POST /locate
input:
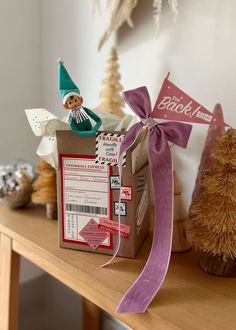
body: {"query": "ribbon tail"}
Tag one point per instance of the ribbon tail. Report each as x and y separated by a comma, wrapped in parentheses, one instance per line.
(141, 293)
(128, 141)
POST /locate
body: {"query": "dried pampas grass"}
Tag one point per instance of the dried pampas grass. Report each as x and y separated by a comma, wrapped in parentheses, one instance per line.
(121, 10)
(157, 10)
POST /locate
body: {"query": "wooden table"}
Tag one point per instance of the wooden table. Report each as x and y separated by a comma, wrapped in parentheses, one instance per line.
(189, 299)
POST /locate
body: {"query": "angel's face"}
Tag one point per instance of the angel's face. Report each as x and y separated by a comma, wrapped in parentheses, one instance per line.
(73, 102)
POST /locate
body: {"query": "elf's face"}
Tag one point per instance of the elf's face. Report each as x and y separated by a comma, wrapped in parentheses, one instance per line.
(73, 102)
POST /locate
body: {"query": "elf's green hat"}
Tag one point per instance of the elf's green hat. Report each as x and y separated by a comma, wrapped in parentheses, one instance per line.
(66, 86)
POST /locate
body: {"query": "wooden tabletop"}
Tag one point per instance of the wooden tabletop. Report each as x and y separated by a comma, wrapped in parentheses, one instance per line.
(189, 298)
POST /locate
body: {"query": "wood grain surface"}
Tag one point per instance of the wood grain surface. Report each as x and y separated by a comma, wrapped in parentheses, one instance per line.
(189, 298)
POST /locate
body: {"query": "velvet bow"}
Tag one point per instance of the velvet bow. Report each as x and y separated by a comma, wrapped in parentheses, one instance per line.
(141, 293)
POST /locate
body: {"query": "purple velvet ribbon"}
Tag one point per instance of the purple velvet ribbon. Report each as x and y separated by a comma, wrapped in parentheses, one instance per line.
(141, 293)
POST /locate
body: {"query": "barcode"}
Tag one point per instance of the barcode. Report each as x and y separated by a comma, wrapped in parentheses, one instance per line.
(86, 209)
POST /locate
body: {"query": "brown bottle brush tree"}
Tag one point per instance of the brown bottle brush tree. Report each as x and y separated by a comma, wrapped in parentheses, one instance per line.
(213, 213)
(45, 188)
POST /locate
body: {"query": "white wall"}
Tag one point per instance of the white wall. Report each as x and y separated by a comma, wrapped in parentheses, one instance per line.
(70, 32)
(20, 79)
(20, 85)
(199, 51)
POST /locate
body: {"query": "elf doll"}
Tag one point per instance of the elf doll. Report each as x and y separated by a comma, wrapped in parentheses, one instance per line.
(79, 117)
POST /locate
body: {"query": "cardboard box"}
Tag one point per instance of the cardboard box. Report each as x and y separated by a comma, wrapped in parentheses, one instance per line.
(88, 195)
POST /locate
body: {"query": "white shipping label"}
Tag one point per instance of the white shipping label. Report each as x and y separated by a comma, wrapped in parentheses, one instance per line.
(86, 195)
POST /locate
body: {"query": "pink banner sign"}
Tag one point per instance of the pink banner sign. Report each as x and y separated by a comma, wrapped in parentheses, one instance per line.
(173, 104)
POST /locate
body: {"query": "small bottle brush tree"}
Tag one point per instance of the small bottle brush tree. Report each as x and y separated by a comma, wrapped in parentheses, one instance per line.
(213, 213)
(112, 100)
(45, 188)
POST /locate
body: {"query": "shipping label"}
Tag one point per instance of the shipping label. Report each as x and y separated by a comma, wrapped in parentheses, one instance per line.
(113, 227)
(86, 195)
(120, 208)
(126, 193)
